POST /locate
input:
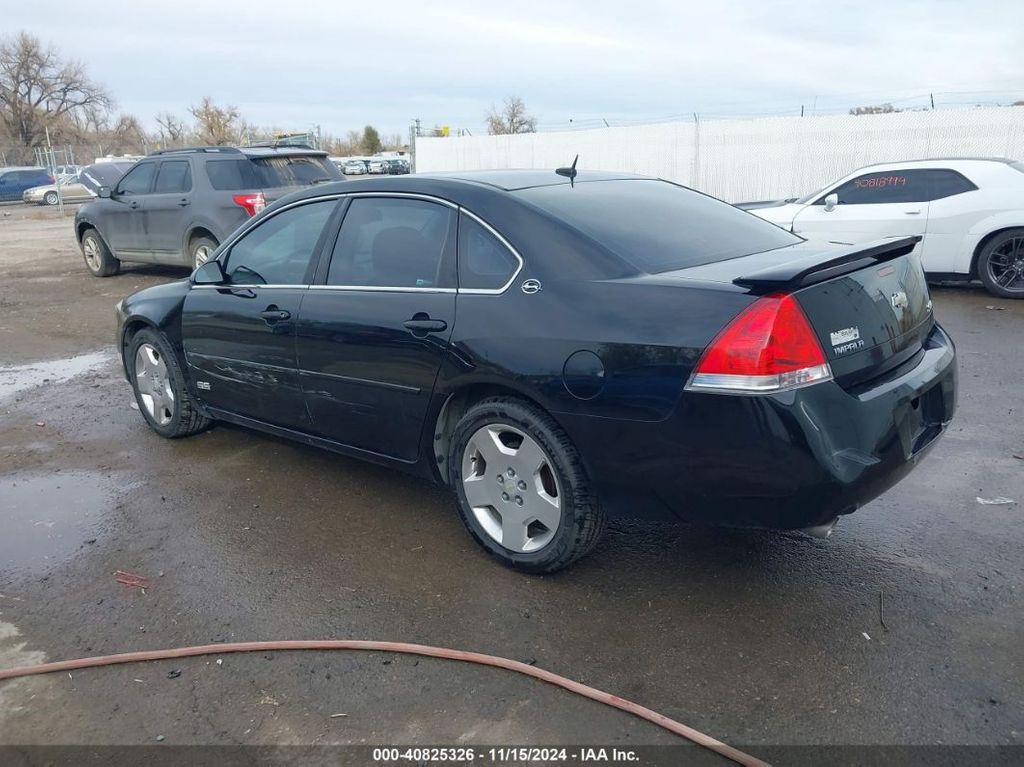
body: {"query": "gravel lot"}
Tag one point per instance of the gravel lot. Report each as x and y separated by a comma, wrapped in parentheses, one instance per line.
(756, 638)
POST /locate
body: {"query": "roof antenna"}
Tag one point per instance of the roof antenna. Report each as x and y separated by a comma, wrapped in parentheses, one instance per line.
(570, 172)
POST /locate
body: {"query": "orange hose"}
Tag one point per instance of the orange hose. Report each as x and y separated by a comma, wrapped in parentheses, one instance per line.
(399, 647)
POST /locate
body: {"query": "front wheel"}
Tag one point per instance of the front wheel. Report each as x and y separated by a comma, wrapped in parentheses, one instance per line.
(1001, 264)
(98, 258)
(50, 198)
(521, 487)
(159, 386)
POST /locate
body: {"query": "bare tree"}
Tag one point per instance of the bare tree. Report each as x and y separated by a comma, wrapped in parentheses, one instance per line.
(38, 90)
(511, 119)
(216, 125)
(876, 109)
(172, 129)
(393, 141)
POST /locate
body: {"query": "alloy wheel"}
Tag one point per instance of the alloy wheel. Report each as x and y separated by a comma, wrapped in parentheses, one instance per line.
(154, 384)
(201, 255)
(91, 250)
(512, 488)
(1006, 265)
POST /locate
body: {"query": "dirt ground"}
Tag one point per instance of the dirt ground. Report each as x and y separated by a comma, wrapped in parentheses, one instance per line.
(759, 639)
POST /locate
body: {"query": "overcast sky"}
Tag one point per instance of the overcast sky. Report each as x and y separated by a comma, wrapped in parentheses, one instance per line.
(293, 63)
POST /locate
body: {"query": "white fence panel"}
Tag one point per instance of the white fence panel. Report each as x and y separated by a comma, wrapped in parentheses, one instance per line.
(744, 159)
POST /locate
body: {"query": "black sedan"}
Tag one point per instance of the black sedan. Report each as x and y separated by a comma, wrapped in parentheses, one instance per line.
(557, 348)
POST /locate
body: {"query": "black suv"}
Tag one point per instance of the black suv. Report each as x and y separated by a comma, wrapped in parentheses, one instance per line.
(176, 206)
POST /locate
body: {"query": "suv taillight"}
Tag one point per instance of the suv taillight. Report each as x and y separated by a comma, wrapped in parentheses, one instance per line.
(769, 347)
(253, 203)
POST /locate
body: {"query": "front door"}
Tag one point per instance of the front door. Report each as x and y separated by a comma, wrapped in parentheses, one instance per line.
(372, 334)
(167, 209)
(872, 206)
(123, 225)
(239, 337)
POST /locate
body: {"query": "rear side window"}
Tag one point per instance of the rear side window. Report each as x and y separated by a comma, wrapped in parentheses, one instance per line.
(657, 226)
(394, 243)
(278, 251)
(946, 183)
(231, 175)
(138, 180)
(485, 263)
(883, 187)
(173, 176)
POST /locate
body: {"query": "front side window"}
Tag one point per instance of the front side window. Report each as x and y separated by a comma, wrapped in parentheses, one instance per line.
(138, 180)
(883, 187)
(278, 251)
(485, 263)
(174, 176)
(394, 243)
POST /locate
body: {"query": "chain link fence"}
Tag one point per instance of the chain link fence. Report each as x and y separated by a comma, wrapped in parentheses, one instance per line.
(753, 159)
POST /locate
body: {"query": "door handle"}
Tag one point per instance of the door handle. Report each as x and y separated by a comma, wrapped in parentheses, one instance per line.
(272, 314)
(912, 213)
(133, 205)
(183, 202)
(423, 325)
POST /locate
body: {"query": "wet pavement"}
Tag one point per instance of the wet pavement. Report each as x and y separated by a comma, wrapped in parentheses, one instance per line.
(753, 637)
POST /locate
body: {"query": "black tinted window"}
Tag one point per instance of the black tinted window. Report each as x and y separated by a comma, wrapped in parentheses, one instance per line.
(658, 226)
(395, 243)
(138, 179)
(484, 261)
(883, 187)
(278, 251)
(946, 183)
(173, 176)
(269, 172)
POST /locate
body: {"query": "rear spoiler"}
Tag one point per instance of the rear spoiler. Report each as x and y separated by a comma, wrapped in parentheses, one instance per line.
(811, 270)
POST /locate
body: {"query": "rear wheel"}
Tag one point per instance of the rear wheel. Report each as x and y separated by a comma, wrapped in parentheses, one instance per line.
(521, 487)
(159, 386)
(50, 198)
(1001, 264)
(200, 249)
(98, 258)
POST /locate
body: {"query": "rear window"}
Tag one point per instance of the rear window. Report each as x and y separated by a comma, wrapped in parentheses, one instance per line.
(269, 172)
(658, 226)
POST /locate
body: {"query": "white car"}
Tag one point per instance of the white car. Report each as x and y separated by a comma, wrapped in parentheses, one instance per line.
(354, 168)
(969, 213)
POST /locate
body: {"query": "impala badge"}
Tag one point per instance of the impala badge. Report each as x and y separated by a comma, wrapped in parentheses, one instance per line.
(899, 300)
(844, 336)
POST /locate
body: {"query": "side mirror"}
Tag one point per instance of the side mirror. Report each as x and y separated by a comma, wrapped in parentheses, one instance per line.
(210, 273)
(104, 192)
(831, 201)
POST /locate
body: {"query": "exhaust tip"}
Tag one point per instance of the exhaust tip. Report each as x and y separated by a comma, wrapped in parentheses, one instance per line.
(821, 531)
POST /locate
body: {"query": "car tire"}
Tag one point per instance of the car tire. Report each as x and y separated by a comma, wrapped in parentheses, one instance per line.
(159, 386)
(200, 250)
(1003, 253)
(50, 198)
(98, 258)
(510, 484)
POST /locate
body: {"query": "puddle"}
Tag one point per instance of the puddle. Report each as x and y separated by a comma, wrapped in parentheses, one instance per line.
(15, 379)
(46, 518)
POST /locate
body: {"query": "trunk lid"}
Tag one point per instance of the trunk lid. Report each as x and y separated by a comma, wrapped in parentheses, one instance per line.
(868, 304)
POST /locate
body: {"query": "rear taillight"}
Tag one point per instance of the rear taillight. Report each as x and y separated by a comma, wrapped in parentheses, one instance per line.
(769, 347)
(253, 203)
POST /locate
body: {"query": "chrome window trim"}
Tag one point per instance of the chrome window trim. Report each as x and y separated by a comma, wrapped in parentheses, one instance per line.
(508, 245)
(230, 243)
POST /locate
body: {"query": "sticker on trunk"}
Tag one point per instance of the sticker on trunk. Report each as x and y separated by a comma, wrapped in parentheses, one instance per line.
(844, 336)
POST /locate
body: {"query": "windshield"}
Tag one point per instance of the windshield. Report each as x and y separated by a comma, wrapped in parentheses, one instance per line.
(658, 226)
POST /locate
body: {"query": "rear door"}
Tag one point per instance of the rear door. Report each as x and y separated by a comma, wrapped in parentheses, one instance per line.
(167, 208)
(239, 337)
(373, 331)
(122, 224)
(872, 206)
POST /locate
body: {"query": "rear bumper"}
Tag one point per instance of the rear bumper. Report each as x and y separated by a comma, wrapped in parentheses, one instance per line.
(789, 460)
